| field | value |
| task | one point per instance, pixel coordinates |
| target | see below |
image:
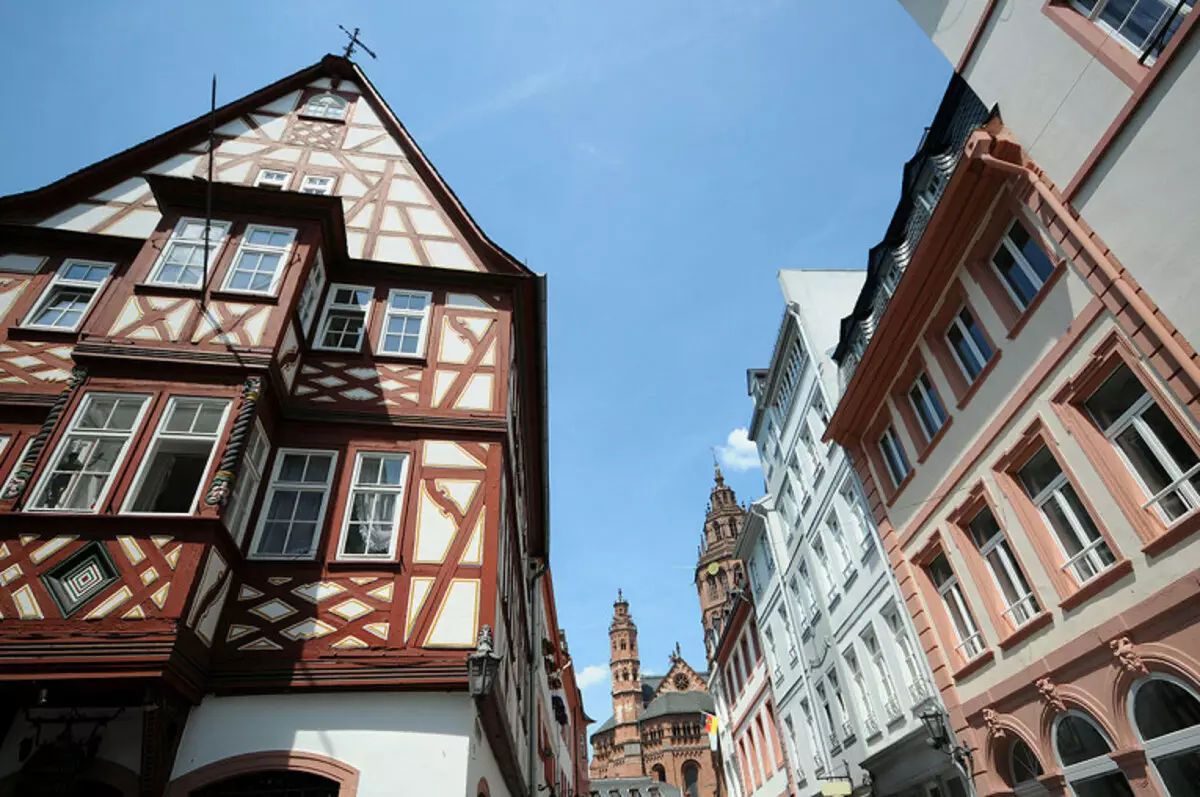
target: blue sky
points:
(659, 161)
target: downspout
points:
(976, 151)
(533, 741)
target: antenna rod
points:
(208, 193)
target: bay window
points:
(182, 260)
(86, 460)
(969, 642)
(344, 321)
(1020, 605)
(71, 293)
(260, 260)
(174, 466)
(1022, 264)
(372, 522)
(968, 344)
(294, 508)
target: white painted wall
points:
(419, 743)
(948, 22)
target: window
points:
(1166, 714)
(1086, 552)
(859, 513)
(345, 319)
(175, 464)
(326, 106)
(830, 722)
(801, 587)
(1165, 466)
(841, 552)
(967, 342)
(894, 456)
(1019, 603)
(883, 676)
(790, 377)
(17, 463)
(788, 507)
(70, 293)
(404, 322)
(917, 685)
(273, 179)
(182, 259)
(295, 504)
(835, 686)
(818, 549)
(970, 643)
(1137, 23)
(928, 407)
(81, 472)
(1023, 763)
(1082, 750)
(814, 738)
(245, 489)
(373, 514)
(1022, 264)
(317, 184)
(862, 702)
(310, 295)
(259, 262)
(931, 184)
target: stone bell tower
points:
(625, 665)
(717, 571)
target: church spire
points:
(626, 670)
(717, 571)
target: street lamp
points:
(940, 738)
(482, 665)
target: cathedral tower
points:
(717, 571)
(625, 665)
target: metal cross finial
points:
(355, 42)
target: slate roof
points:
(622, 786)
(679, 703)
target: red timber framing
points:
(176, 605)
(1096, 671)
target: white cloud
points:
(738, 453)
(590, 676)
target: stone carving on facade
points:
(1048, 691)
(1125, 657)
(992, 720)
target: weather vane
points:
(355, 42)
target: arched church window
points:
(326, 106)
(691, 779)
(1082, 750)
(660, 773)
(271, 784)
(1166, 714)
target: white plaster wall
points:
(1141, 198)
(948, 22)
(824, 297)
(482, 764)
(120, 743)
(419, 740)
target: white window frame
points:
(1020, 261)
(355, 487)
(822, 555)
(1180, 479)
(865, 525)
(1025, 607)
(927, 406)
(61, 282)
(310, 296)
(894, 455)
(1093, 16)
(245, 489)
(958, 324)
(306, 186)
(160, 433)
(267, 178)
(1169, 744)
(275, 485)
(1090, 549)
(73, 430)
(219, 232)
(1092, 767)
(834, 525)
(820, 757)
(870, 640)
(244, 246)
(389, 313)
(331, 304)
(970, 641)
(344, 106)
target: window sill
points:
(1040, 297)
(344, 352)
(1107, 50)
(244, 296)
(166, 290)
(937, 438)
(1097, 584)
(973, 665)
(413, 359)
(314, 118)
(1041, 620)
(979, 380)
(42, 333)
(1175, 534)
(259, 557)
(373, 561)
(849, 579)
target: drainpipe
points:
(537, 570)
(976, 150)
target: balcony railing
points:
(892, 709)
(847, 731)
(920, 690)
(870, 724)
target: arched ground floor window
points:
(274, 773)
(1165, 712)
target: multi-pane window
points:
(70, 293)
(814, 738)
(254, 463)
(345, 319)
(801, 588)
(294, 507)
(259, 262)
(912, 669)
(969, 641)
(174, 467)
(927, 406)
(1020, 605)
(1164, 464)
(326, 106)
(1022, 264)
(788, 506)
(16, 463)
(968, 344)
(182, 259)
(81, 471)
(1085, 550)
(893, 455)
(931, 184)
(1144, 26)
(797, 478)
(274, 179)
(405, 322)
(818, 549)
(883, 675)
(835, 687)
(841, 552)
(862, 701)
(317, 184)
(373, 514)
(310, 295)
(790, 377)
(858, 512)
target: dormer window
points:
(326, 106)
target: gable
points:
(397, 209)
(681, 678)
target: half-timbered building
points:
(274, 485)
